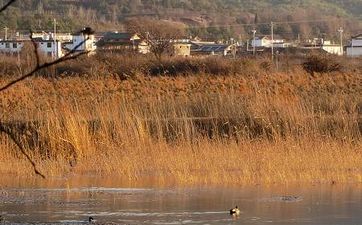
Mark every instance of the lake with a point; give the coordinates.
(65, 202)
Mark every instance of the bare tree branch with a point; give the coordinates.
(7, 5)
(36, 171)
(35, 48)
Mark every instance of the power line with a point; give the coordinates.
(257, 24)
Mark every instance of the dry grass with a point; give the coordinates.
(196, 129)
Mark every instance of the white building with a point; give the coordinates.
(50, 48)
(63, 37)
(335, 49)
(266, 42)
(11, 46)
(261, 42)
(45, 47)
(144, 48)
(82, 42)
(319, 44)
(355, 48)
(181, 49)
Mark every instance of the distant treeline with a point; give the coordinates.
(208, 18)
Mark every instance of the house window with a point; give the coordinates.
(49, 45)
(15, 45)
(7, 45)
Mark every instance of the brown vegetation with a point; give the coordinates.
(124, 66)
(217, 121)
(321, 64)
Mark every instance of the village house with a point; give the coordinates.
(331, 48)
(181, 49)
(319, 44)
(267, 42)
(119, 41)
(81, 42)
(355, 47)
(63, 37)
(11, 46)
(123, 42)
(48, 48)
(210, 48)
(143, 48)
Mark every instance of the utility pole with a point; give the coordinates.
(254, 32)
(6, 33)
(298, 39)
(340, 30)
(352, 47)
(55, 40)
(272, 37)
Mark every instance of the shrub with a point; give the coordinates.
(321, 64)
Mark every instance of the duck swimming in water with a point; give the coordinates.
(235, 211)
(91, 220)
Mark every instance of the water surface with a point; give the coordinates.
(127, 204)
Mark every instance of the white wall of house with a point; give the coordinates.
(182, 49)
(50, 49)
(144, 48)
(64, 37)
(267, 42)
(11, 46)
(282, 45)
(261, 42)
(357, 41)
(333, 49)
(354, 51)
(42, 35)
(88, 45)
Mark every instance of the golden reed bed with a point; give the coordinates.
(282, 128)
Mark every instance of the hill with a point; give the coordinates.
(208, 18)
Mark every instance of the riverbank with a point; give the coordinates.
(199, 129)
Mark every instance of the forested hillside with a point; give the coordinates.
(207, 18)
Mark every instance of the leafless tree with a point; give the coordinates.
(158, 34)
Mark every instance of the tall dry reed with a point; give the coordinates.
(197, 129)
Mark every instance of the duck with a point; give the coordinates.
(91, 220)
(235, 211)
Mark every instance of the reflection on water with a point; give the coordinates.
(137, 205)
